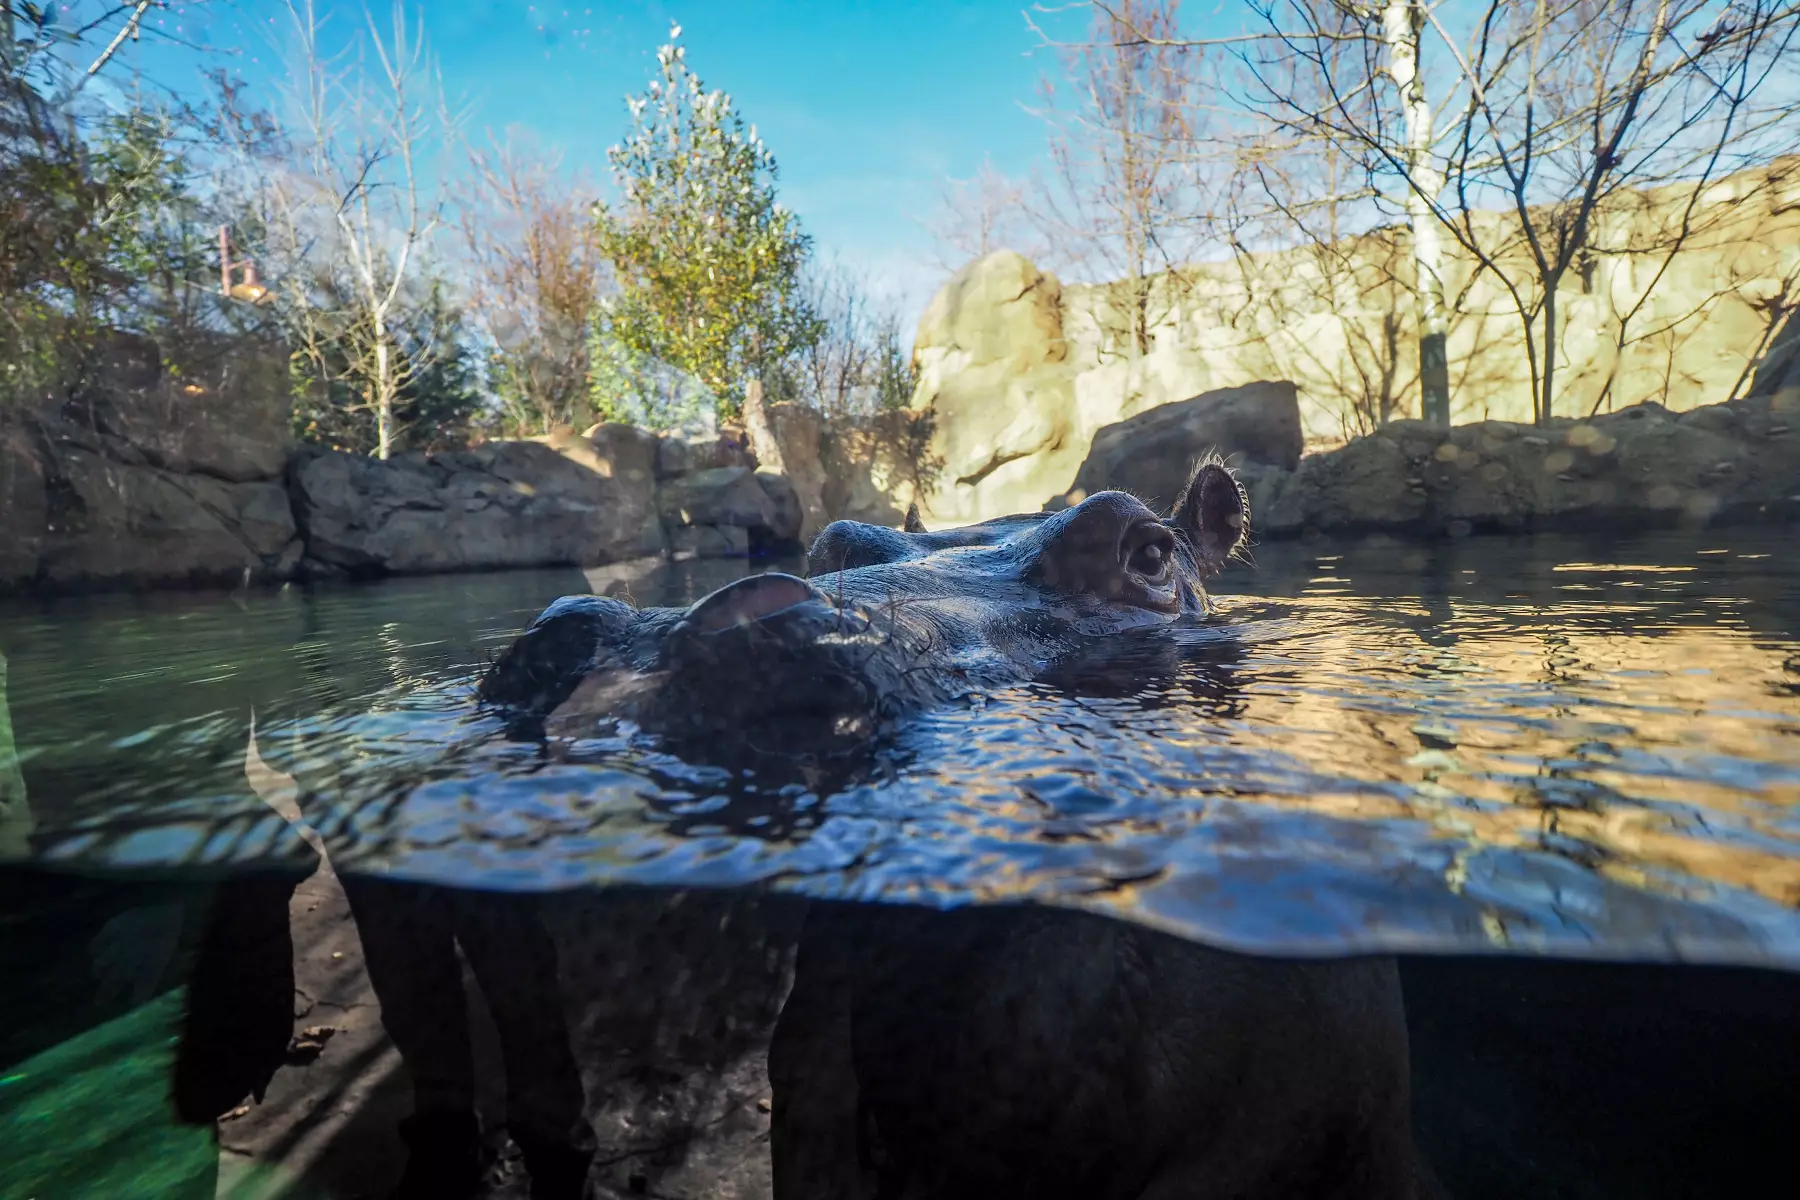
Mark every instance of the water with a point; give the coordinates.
(1587, 749)
(1533, 744)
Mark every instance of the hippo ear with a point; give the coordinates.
(1214, 513)
(913, 524)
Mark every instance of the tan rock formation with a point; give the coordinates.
(1021, 371)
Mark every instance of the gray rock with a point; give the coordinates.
(789, 518)
(113, 523)
(1777, 376)
(622, 453)
(504, 504)
(231, 422)
(1641, 466)
(678, 454)
(1153, 454)
(719, 496)
(23, 511)
(789, 441)
(708, 541)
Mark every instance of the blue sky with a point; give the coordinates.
(868, 107)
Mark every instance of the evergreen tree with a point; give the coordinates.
(708, 264)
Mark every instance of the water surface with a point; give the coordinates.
(1589, 747)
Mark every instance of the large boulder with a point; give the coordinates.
(998, 309)
(679, 453)
(793, 440)
(504, 504)
(108, 523)
(230, 421)
(1640, 466)
(787, 515)
(874, 466)
(720, 496)
(991, 359)
(24, 515)
(1152, 454)
(1777, 377)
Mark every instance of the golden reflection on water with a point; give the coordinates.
(1632, 742)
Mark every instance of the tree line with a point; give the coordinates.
(423, 285)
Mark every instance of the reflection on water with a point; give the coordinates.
(1494, 744)
(1491, 747)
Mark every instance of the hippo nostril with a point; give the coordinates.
(1148, 549)
(748, 601)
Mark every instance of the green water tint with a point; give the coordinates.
(15, 814)
(1555, 744)
(90, 1117)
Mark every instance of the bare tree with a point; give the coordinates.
(66, 45)
(1622, 97)
(355, 206)
(1119, 196)
(979, 215)
(858, 364)
(1557, 113)
(536, 276)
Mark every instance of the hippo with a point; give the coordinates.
(888, 622)
(1004, 1051)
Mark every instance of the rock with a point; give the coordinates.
(708, 541)
(1363, 485)
(1639, 467)
(1777, 377)
(796, 432)
(721, 496)
(1152, 455)
(23, 507)
(875, 466)
(678, 454)
(788, 519)
(1000, 308)
(505, 504)
(110, 523)
(991, 358)
(622, 453)
(230, 421)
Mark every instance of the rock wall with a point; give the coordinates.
(158, 482)
(149, 479)
(1022, 371)
(117, 497)
(1643, 466)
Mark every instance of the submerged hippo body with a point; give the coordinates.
(890, 621)
(998, 1052)
(1059, 1055)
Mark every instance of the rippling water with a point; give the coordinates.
(1552, 744)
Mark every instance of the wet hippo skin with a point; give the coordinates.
(1036, 1052)
(888, 622)
(1008, 1051)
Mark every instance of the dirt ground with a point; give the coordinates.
(669, 1026)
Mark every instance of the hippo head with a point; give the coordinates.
(888, 621)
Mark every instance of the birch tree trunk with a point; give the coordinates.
(1401, 24)
(384, 393)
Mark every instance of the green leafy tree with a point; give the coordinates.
(106, 224)
(708, 265)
